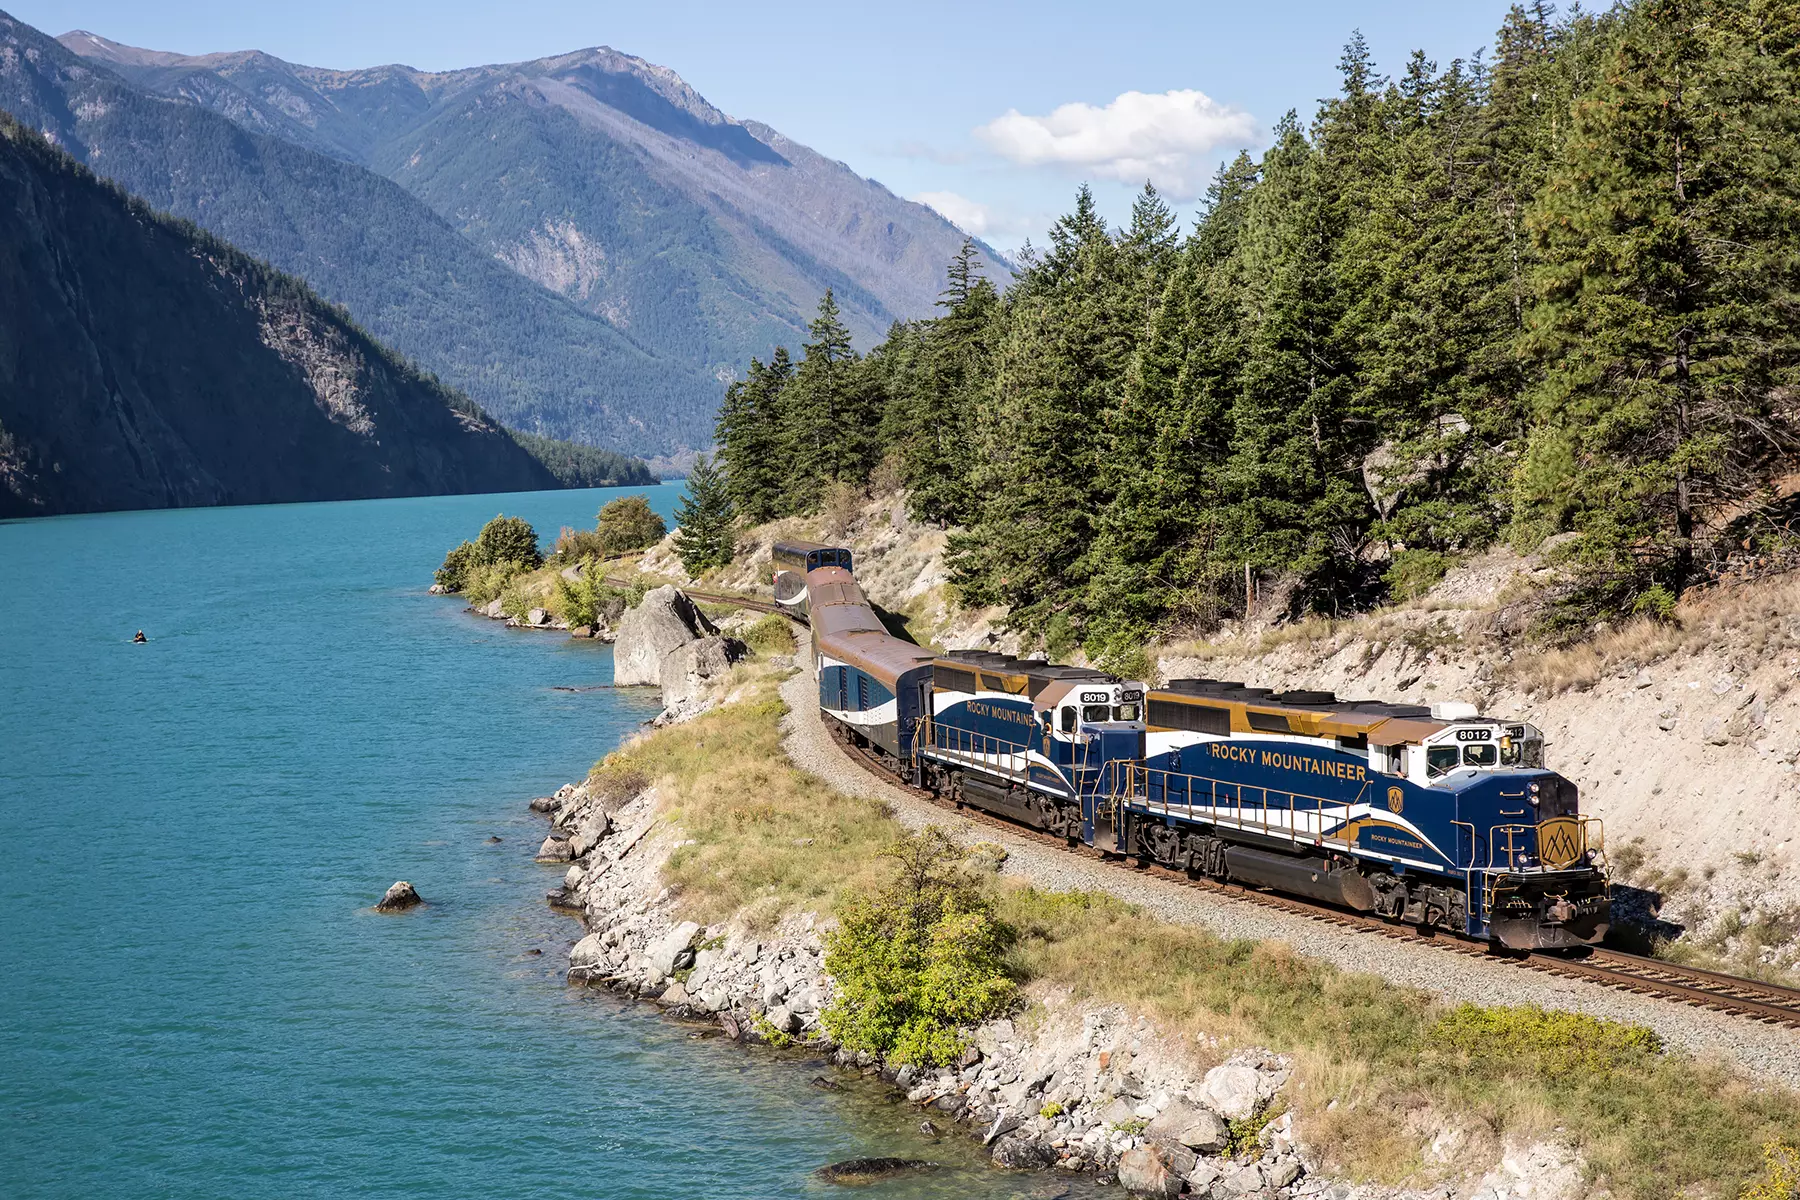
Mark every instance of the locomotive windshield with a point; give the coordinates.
(1125, 712)
(1096, 712)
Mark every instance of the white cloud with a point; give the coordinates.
(962, 212)
(1165, 138)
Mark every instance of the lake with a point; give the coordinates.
(197, 998)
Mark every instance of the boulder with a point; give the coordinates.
(662, 955)
(544, 804)
(537, 616)
(867, 1170)
(1202, 1177)
(686, 669)
(1231, 1091)
(1282, 1172)
(398, 898)
(588, 953)
(1185, 1124)
(784, 1019)
(664, 621)
(492, 609)
(1241, 1182)
(1146, 1171)
(1021, 1153)
(554, 850)
(1004, 1124)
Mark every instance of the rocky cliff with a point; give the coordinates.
(145, 364)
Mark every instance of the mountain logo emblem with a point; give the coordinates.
(1559, 843)
(1396, 799)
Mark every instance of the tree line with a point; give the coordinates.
(1547, 290)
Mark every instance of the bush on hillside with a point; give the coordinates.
(509, 539)
(628, 524)
(588, 599)
(453, 576)
(918, 960)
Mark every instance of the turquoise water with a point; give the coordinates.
(196, 998)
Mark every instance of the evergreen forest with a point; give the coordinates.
(1545, 295)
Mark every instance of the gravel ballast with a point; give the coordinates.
(1767, 1051)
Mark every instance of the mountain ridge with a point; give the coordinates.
(148, 364)
(552, 164)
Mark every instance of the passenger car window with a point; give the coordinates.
(1481, 754)
(1068, 720)
(1440, 760)
(1096, 712)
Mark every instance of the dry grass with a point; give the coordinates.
(767, 840)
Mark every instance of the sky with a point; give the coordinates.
(992, 113)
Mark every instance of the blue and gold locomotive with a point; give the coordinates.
(1436, 817)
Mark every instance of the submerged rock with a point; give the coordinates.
(866, 1170)
(399, 898)
(1022, 1153)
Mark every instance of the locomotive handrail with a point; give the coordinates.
(1515, 850)
(1139, 779)
(982, 746)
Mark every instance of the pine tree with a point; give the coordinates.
(1666, 314)
(751, 444)
(945, 392)
(827, 423)
(706, 538)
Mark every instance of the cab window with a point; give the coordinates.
(1440, 760)
(1125, 712)
(1481, 754)
(1068, 720)
(1095, 712)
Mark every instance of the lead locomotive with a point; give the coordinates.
(1438, 817)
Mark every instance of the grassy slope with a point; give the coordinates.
(767, 840)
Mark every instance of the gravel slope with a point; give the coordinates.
(1772, 1053)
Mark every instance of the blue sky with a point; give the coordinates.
(994, 113)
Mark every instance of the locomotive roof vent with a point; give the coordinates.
(1203, 687)
(1453, 710)
(1302, 698)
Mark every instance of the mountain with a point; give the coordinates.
(529, 356)
(606, 179)
(145, 363)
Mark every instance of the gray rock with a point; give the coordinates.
(538, 617)
(555, 850)
(1241, 1182)
(1283, 1173)
(867, 1170)
(1188, 1125)
(1119, 1112)
(676, 994)
(1021, 1153)
(784, 1019)
(589, 952)
(661, 957)
(543, 804)
(1202, 1177)
(1146, 1171)
(686, 669)
(398, 898)
(492, 609)
(664, 621)
(1230, 1091)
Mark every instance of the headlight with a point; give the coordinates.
(1534, 789)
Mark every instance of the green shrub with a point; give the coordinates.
(485, 583)
(509, 539)
(1533, 1043)
(587, 599)
(627, 524)
(1415, 572)
(771, 635)
(1781, 1174)
(454, 574)
(917, 960)
(1119, 647)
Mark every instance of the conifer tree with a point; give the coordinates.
(706, 538)
(1666, 315)
(751, 442)
(826, 423)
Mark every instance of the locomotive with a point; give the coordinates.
(1434, 816)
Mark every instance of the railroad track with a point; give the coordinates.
(1753, 999)
(753, 605)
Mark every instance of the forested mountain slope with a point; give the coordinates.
(146, 364)
(1548, 296)
(607, 179)
(530, 357)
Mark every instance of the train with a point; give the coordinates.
(1434, 816)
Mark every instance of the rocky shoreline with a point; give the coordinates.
(1079, 1088)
